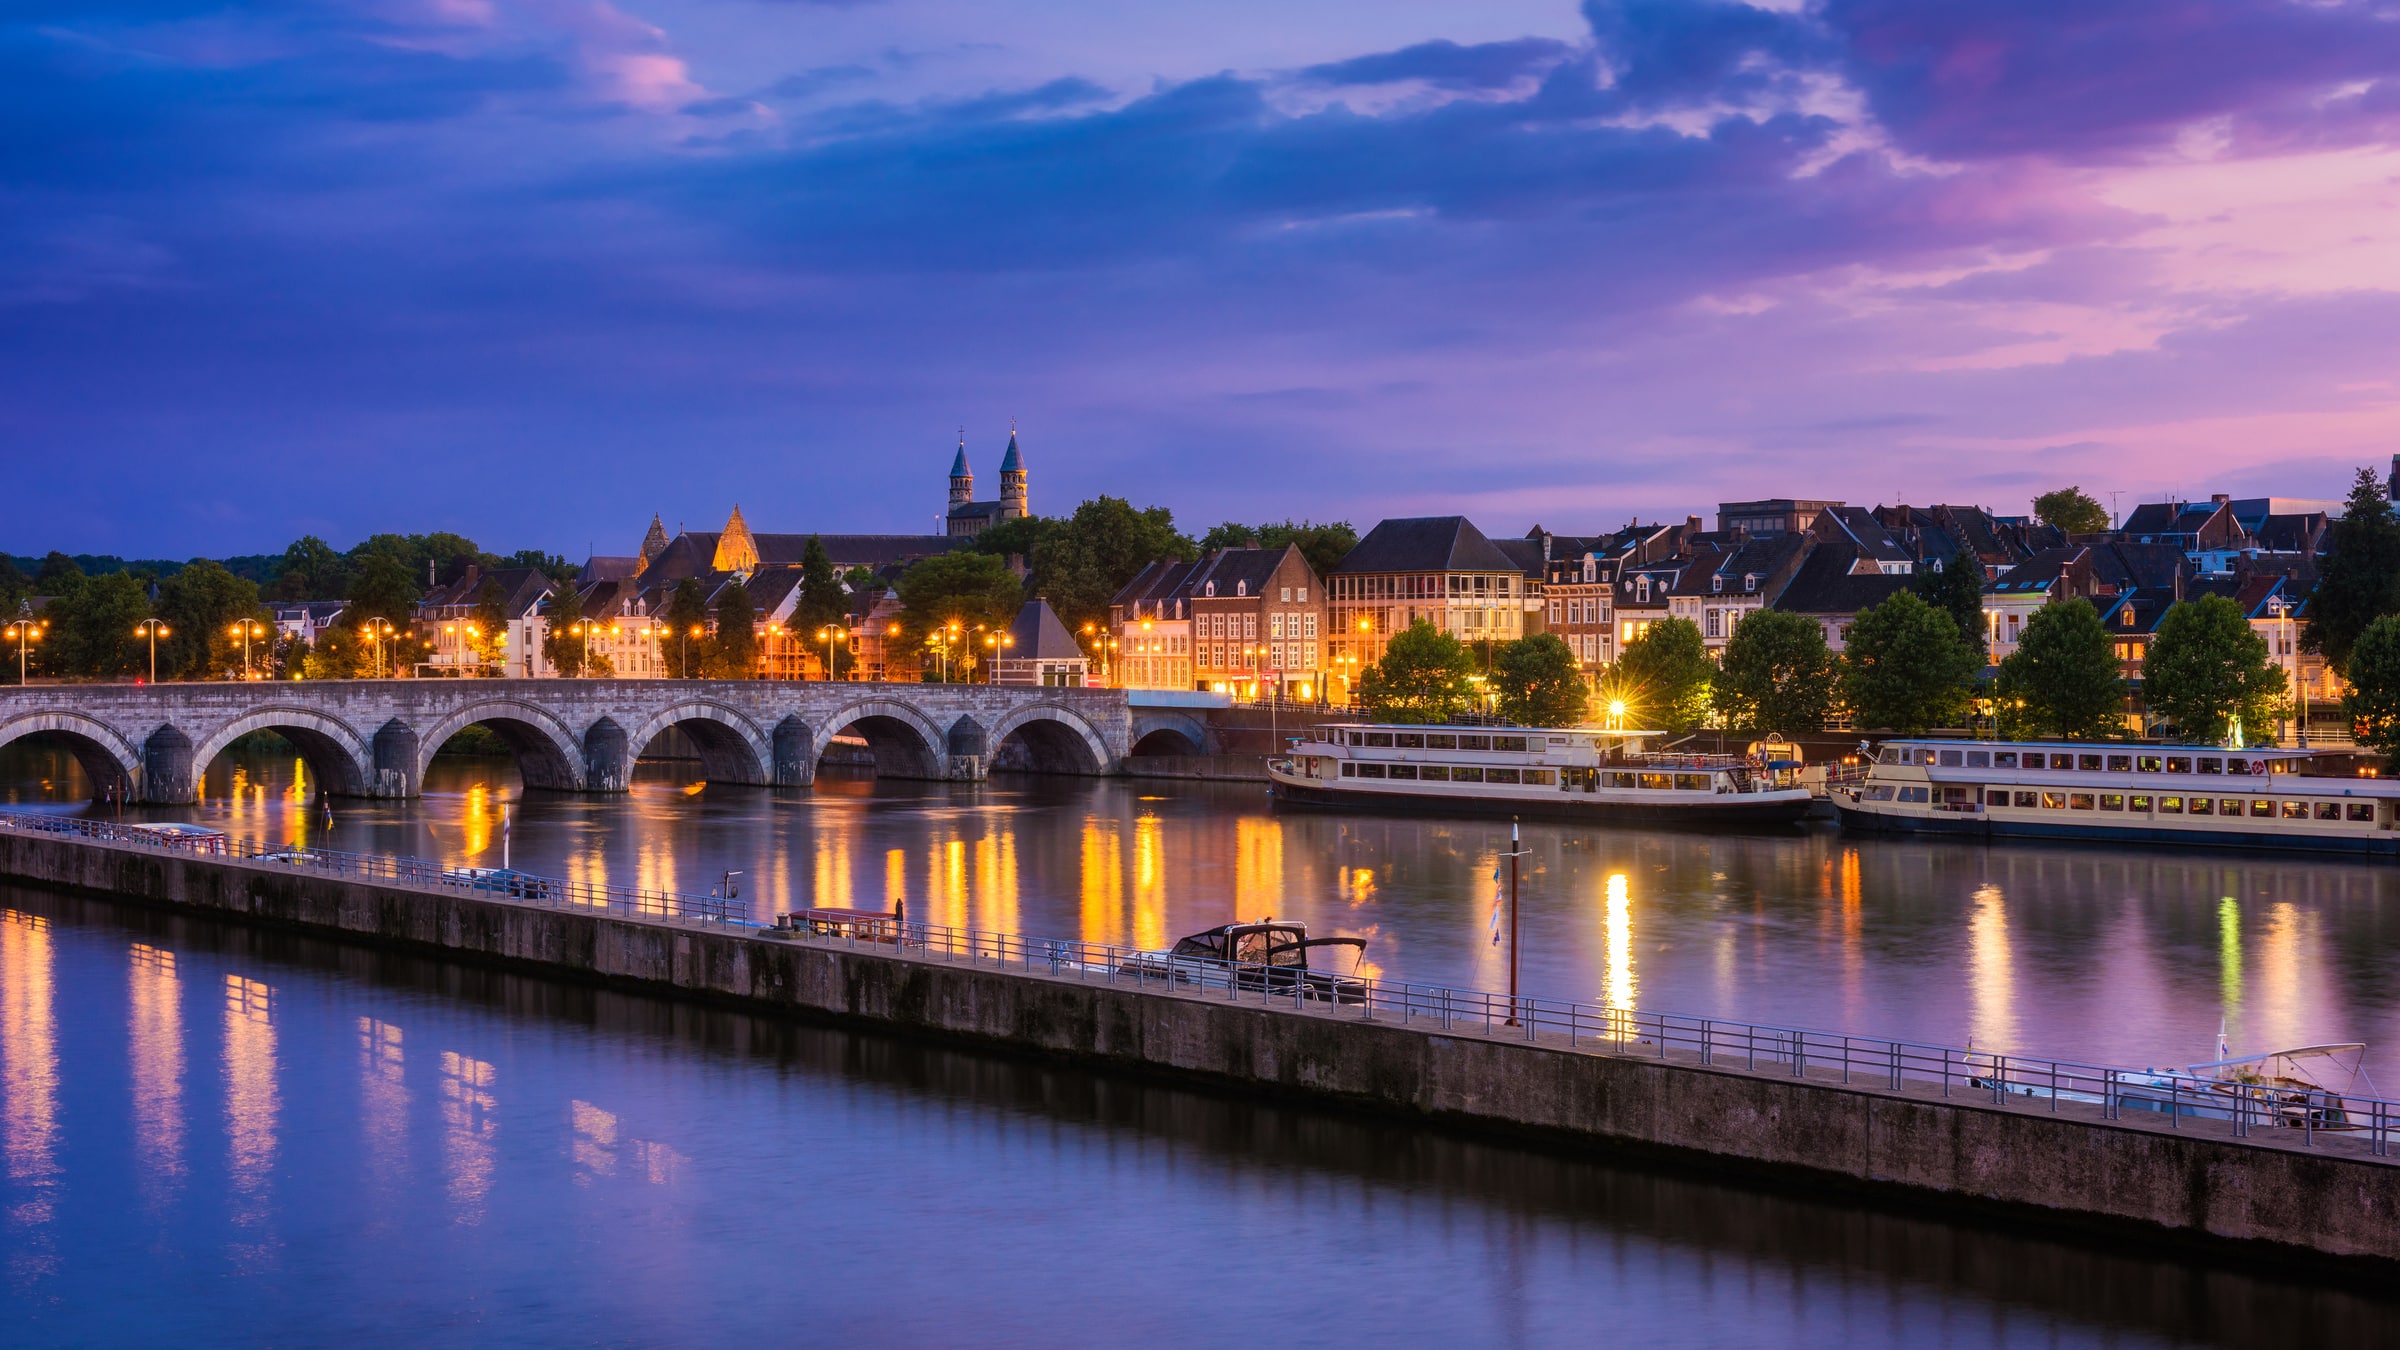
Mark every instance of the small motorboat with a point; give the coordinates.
(1271, 956)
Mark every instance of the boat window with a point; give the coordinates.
(1625, 780)
(2054, 801)
(1691, 782)
(1474, 742)
(2229, 806)
(2081, 801)
(1357, 739)
(1349, 770)
(1404, 770)
(1409, 740)
(2295, 810)
(2284, 766)
(1558, 740)
(2088, 763)
(2329, 810)
(2170, 806)
(2120, 763)
(2179, 764)
(1950, 759)
(2258, 808)
(1434, 741)
(1996, 797)
(2029, 799)
(1379, 738)
(2062, 761)
(1370, 771)
(2147, 763)
(1500, 775)
(2362, 810)
(2199, 806)
(1466, 774)
(1657, 782)
(1979, 759)
(2112, 801)
(1881, 792)
(1916, 794)
(1540, 777)
(1516, 743)
(2004, 759)
(1251, 949)
(2138, 803)
(1433, 773)
(2210, 764)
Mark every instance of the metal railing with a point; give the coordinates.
(2288, 1112)
(420, 873)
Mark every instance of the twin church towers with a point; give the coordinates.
(970, 517)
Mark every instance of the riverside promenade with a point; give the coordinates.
(2063, 1145)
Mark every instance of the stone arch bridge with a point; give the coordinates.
(372, 738)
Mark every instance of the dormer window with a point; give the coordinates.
(1717, 584)
(1209, 590)
(1749, 581)
(1241, 588)
(1642, 589)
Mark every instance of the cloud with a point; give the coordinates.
(1446, 65)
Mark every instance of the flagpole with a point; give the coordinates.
(1515, 851)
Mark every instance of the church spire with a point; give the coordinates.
(736, 550)
(655, 542)
(962, 478)
(1014, 502)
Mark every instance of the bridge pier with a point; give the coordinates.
(396, 760)
(168, 776)
(794, 766)
(607, 760)
(968, 756)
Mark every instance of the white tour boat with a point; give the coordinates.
(1579, 773)
(2170, 794)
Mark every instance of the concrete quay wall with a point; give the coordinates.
(2138, 1178)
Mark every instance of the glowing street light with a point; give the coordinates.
(21, 632)
(831, 634)
(154, 629)
(246, 630)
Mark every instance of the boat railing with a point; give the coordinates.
(2296, 1114)
(421, 873)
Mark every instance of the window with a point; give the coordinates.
(2170, 806)
(1308, 625)
(2229, 806)
(2198, 806)
(2147, 763)
(2088, 763)
(2295, 810)
(1349, 770)
(2361, 811)
(2080, 801)
(2211, 764)
(1249, 625)
(1979, 759)
(2120, 763)
(2004, 759)
(1370, 771)
(1287, 595)
(1440, 742)
(1657, 782)
(1500, 775)
(1880, 793)
(1408, 740)
(1474, 742)
(1466, 774)
(2329, 810)
(2054, 801)
(1433, 773)
(1996, 797)
(1625, 780)
(1950, 759)
(1275, 625)
(1698, 782)
(1403, 770)
(2112, 801)
(1380, 738)
(2138, 803)
(1516, 743)
(2258, 808)
(2179, 764)
(1301, 594)
(1241, 588)
(1915, 794)
(1540, 777)
(2062, 761)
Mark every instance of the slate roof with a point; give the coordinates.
(1526, 553)
(1825, 585)
(1040, 636)
(1860, 527)
(1012, 462)
(1426, 544)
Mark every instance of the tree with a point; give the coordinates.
(2071, 510)
(1421, 678)
(1019, 538)
(733, 651)
(1957, 588)
(1777, 675)
(489, 618)
(550, 565)
(686, 646)
(2209, 674)
(1540, 683)
(2063, 679)
(2359, 580)
(821, 599)
(1663, 676)
(1905, 667)
(1082, 566)
(1322, 545)
(961, 590)
(562, 646)
(14, 586)
(201, 603)
(2374, 701)
(91, 626)
(58, 573)
(381, 590)
(310, 569)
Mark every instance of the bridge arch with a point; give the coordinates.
(732, 748)
(1168, 733)
(548, 754)
(108, 759)
(906, 742)
(333, 750)
(1048, 738)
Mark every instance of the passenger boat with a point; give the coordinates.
(2192, 795)
(1576, 773)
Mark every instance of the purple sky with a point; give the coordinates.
(533, 269)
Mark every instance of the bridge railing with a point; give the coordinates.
(2290, 1111)
(421, 873)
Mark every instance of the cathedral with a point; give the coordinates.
(969, 517)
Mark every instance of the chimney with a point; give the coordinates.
(2220, 498)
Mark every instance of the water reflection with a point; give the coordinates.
(1620, 942)
(28, 1088)
(155, 1030)
(2088, 953)
(253, 1104)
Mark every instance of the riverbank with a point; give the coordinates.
(2267, 1195)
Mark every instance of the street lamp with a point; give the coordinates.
(831, 634)
(153, 629)
(246, 630)
(377, 632)
(994, 642)
(22, 632)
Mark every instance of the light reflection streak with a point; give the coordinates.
(155, 1024)
(1149, 884)
(996, 882)
(1257, 867)
(470, 1120)
(595, 1144)
(253, 1103)
(29, 1076)
(2282, 992)
(829, 871)
(1103, 882)
(895, 878)
(382, 1069)
(2229, 954)
(1991, 975)
(1620, 980)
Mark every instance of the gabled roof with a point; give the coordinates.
(1527, 554)
(1860, 527)
(1426, 544)
(1236, 572)
(1166, 579)
(1038, 635)
(1827, 586)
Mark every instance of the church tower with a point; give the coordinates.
(1013, 503)
(737, 552)
(653, 543)
(962, 479)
